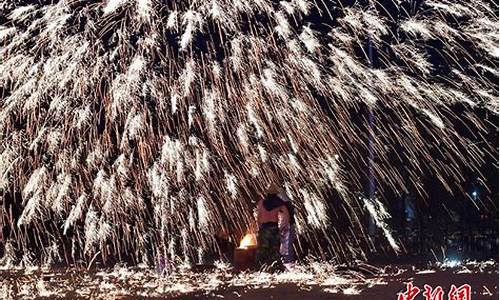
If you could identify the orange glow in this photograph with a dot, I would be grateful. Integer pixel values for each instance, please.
(249, 240)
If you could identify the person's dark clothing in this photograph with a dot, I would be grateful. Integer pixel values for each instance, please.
(268, 242)
(291, 211)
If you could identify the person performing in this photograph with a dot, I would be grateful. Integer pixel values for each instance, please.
(269, 211)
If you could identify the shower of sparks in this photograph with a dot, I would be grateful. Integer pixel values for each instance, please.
(33, 282)
(378, 213)
(142, 281)
(134, 126)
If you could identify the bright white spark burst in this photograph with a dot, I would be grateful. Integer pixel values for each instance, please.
(142, 281)
(187, 109)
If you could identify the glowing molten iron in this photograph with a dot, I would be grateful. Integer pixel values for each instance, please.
(248, 241)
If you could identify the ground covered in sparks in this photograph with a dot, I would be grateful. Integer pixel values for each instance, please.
(311, 281)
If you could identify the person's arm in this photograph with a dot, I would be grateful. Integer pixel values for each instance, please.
(259, 213)
(285, 216)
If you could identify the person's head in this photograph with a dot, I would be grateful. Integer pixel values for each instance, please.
(272, 201)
